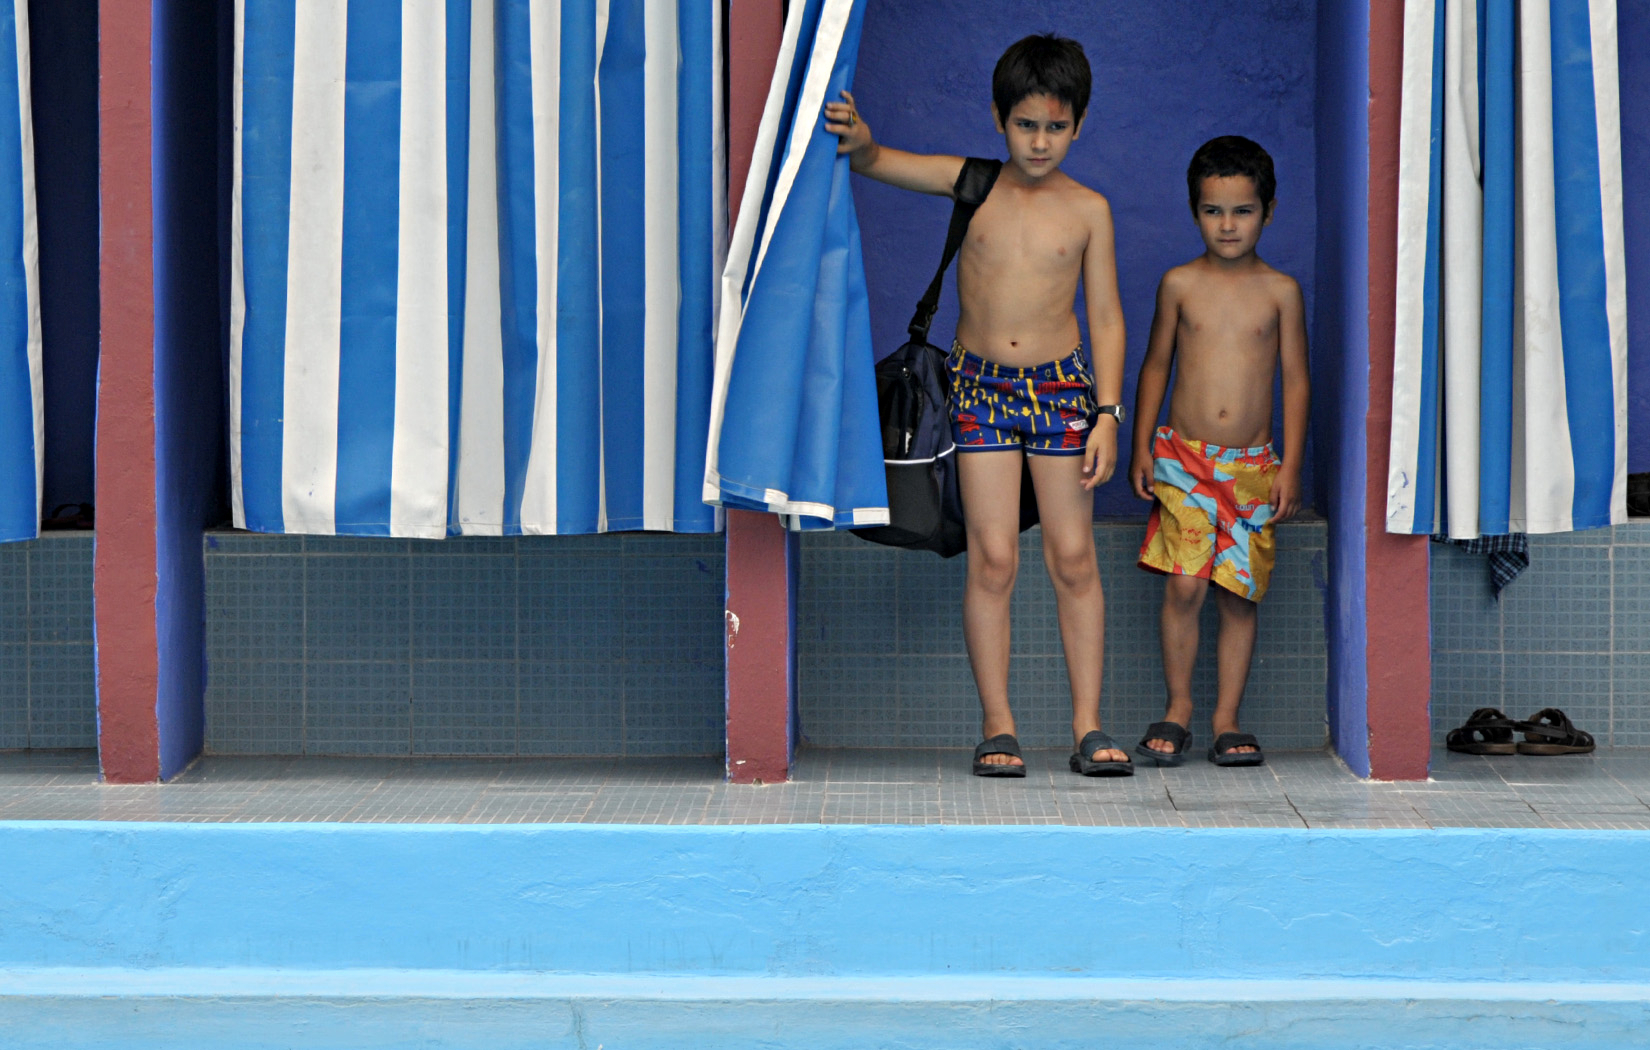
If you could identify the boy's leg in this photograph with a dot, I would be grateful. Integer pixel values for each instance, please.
(1239, 618)
(1182, 601)
(990, 483)
(1067, 513)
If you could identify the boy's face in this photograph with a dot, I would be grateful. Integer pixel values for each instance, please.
(1039, 130)
(1230, 215)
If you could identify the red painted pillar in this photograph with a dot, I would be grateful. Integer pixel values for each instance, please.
(760, 592)
(124, 567)
(1399, 643)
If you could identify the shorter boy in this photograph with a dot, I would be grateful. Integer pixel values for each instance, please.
(1226, 324)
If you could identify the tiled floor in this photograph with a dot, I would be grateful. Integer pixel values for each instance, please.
(1295, 789)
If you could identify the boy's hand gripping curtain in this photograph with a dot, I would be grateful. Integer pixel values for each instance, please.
(22, 426)
(1510, 376)
(794, 426)
(475, 254)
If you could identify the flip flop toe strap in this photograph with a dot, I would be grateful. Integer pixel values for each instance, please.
(1095, 740)
(1173, 733)
(1001, 744)
(1226, 742)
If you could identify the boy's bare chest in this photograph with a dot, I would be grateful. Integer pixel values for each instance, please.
(1039, 240)
(1235, 320)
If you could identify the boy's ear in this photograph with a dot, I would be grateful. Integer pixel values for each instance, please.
(997, 118)
(1271, 209)
(1077, 128)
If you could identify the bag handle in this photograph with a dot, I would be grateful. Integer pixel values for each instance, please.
(974, 183)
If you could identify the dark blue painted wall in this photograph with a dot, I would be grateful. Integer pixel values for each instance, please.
(189, 120)
(63, 69)
(1340, 334)
(1633, 26)
(1168, 75)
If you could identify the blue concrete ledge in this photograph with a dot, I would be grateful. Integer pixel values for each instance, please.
(820, 936)
(360, 1010)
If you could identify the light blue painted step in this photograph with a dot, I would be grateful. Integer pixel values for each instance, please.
(455, 1010)
(496, 936)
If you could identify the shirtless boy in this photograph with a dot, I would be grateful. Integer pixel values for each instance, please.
(1019, 388)
(1226, 323)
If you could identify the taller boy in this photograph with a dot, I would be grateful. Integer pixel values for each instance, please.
(1019, 388)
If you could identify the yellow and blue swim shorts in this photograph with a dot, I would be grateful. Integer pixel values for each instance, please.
(1213, 515)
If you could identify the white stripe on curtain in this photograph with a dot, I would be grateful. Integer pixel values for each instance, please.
(22, 412)
(462, 302)
(1509, 395)
(794, 426)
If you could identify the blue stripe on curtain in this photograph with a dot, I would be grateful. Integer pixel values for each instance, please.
(578, 389)
(21, 419)
(371, 234)
(1548, 362)
(1497, 140)
(492, 313)
(794, 418)
(1429, 454)
(459, 16)
(701, 190)
(624, 264)
(518, 249)
(264, 159)
(1586, 330)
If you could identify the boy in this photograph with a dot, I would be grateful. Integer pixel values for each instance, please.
(1226, 323)
(1019, 387)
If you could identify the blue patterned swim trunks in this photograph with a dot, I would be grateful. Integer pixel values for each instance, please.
(1047, 409)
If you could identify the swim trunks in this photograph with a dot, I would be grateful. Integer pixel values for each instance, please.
(1047, 409)
(1213, 515)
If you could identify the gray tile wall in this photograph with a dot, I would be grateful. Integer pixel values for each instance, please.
(595, 645)
(47, 693)
(1572, 632)
(881, 659)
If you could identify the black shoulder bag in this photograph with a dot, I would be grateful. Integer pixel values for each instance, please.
(913, 398)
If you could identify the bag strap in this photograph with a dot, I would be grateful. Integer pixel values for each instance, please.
(973, 184)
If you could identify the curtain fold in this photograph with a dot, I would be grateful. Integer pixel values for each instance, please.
(474, 259)
(1510, 372)
(794, 426)
(22, 426)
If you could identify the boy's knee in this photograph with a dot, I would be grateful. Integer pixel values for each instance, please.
(1185, 591)
(1072, 569)
(1235, 606)
(993, 566)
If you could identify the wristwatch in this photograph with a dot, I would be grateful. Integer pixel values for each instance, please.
(1115, 411)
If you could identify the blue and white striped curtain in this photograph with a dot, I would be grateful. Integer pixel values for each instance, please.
(1509, 408)
(794, 426)
(22, 427)
(476, 245)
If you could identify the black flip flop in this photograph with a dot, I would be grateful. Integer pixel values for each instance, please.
(1175, 733)
(1549, 732)
(1221, 753)
(1094, 740)
(1485, 732)
(1001, 744)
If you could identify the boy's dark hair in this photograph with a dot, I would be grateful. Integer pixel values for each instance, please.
(1231, 155)
(1042, 64)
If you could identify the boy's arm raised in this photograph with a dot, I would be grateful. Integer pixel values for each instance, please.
(1297, 397)
(934, 173)
(1153, 382)
(1106, 341)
